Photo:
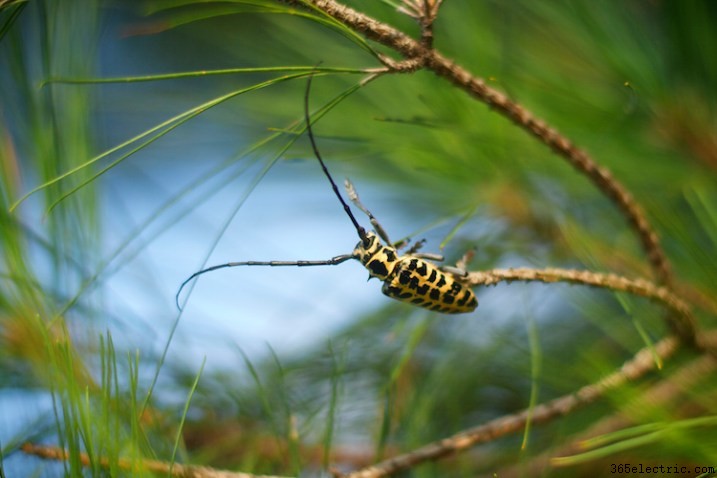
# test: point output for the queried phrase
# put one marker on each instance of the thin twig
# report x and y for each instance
(425, 12)
(642, 363)
(156, 466)
(681, 322)
(664, 395)
(477, 87)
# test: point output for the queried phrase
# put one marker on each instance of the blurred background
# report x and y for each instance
(155, 140)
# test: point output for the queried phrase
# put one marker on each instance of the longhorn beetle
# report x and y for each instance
(408, 278)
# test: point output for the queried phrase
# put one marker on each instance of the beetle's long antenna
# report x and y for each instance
(361, 231)
(330, 262)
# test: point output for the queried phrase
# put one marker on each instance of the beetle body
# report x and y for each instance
(414, 280)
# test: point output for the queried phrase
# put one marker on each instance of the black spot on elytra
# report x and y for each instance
(433, 275)
(456, 288)
(435, 294)
(448, 298)
(413, 284)
(441, 281)
(404, 277)
(395, 292)
(417, 300)
(389, 289)
(422, 269)
(422, 290)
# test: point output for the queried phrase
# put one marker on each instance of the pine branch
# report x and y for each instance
(681, 321)
(155, 466)
(642, 363)
(417, 54)
(674, 393)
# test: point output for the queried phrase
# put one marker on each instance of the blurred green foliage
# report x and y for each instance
(631, 82)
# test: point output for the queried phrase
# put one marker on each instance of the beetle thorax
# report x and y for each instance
(380, 260)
